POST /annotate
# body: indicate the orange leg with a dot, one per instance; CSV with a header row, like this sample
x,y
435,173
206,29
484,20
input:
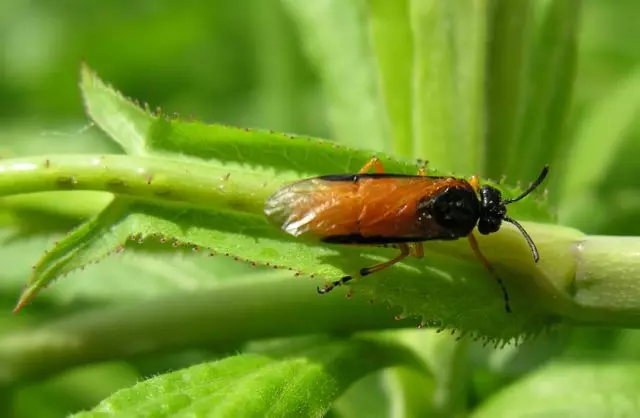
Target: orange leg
x,y
404,252
375,163
418,250
422,171
476,250
474,181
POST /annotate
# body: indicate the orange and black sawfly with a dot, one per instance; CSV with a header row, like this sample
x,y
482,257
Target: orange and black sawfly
x,y
394,209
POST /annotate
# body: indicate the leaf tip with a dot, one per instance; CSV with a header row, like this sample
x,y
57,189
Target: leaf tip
x,y
27,296
86,73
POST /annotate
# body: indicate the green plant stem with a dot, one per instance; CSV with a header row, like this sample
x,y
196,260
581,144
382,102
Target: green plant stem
x,y
607,281
148,178
222,318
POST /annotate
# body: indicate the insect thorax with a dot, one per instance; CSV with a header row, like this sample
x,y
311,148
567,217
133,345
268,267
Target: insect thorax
x,y
452,213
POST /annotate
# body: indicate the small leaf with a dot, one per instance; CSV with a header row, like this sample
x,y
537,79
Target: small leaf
x,y
251,385
194,141
127,125
66,254
593,389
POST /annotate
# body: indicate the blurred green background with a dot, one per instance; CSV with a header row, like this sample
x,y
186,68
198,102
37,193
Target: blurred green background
x,y
239,63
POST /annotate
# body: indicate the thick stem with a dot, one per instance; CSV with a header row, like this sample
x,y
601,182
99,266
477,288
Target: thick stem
x,y
607,281
148,177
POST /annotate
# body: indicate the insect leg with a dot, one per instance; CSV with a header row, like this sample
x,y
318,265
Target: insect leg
x,y
330,286
476,249
404,252
418,250
474,181
422,171
375,163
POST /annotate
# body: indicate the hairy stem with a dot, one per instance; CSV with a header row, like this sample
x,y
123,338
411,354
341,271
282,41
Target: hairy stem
x,y
148,177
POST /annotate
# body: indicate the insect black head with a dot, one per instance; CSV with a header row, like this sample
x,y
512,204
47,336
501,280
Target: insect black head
x,y
493,210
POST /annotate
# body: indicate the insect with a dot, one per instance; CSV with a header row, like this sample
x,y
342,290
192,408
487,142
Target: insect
x,y
394,210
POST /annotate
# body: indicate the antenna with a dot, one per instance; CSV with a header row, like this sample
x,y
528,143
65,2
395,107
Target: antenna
x,y
531,188
527,237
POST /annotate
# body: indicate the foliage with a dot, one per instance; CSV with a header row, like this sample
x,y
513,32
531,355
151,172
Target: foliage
x,y
152,224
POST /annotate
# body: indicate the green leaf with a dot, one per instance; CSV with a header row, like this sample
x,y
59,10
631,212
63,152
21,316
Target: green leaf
x,y
127,125
470,22
334,35
366,397
195,142
442,394
411,393
448,81
509,34
599,146
392,43
495,369
594,389
256,385
550,73
433,74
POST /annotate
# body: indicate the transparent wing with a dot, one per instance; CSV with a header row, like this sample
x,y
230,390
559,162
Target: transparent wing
x,y
294,207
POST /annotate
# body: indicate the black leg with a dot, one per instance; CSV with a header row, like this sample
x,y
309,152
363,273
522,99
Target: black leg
x,y
404,252
329,287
